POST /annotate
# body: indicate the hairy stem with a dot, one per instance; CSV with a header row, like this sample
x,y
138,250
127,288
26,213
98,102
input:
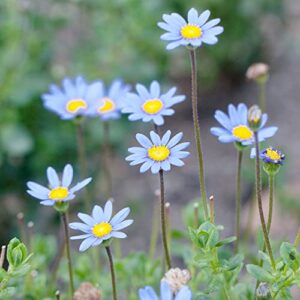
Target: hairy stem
x,y
112,272
238,199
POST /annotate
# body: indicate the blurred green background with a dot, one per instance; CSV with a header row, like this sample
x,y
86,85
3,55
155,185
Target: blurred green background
x,y
43,41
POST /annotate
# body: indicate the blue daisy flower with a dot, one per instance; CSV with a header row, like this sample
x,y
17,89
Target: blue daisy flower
x,y
193,32
100,226
236,128
151,105
73,99
269,155
109,103
59,189
158,153
148,293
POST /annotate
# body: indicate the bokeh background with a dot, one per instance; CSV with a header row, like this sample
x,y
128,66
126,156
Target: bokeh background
x,y
43,41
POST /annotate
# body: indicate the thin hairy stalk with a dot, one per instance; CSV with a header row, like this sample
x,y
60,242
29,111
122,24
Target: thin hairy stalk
x,y
2,255
68,251
197,130
163,220
271,198
112,272
81,148
262,95
259,202
154,229
238,199
107,159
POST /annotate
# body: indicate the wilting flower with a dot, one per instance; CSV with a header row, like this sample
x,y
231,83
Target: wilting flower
x,y
151,105
158,153
59,189
73,99
148,293
236,127
258,71
109,102
177,278
101,226
193,32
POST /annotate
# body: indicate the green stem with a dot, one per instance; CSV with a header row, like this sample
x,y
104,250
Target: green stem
x,y
154,229
197,130
163,219
107,159
112,272
67,242
238,198
262,95
259,202
271,196
82,158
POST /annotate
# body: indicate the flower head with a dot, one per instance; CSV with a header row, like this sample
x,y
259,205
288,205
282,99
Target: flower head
x,y
100,226
270,155
177,278
236,127
148,293
59,189
73,99
193,32
158,153
151,105
109,103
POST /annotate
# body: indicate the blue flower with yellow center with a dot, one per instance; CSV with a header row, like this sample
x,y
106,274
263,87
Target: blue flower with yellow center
x,y
269,155
193,32
236,128
59,190
73,99
151,105
100,226
110,101
148,293
158,153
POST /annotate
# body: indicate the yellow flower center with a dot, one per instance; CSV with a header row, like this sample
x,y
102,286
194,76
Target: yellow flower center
x,y
74,105
153,106
273,154
158,153
242,132
108,106
58,193
101,229
190,31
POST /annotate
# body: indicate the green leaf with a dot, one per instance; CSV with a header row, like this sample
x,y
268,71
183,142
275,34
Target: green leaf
x,y
226,241
290,255
259,273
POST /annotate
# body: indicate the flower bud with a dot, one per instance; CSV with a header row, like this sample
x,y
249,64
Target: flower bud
x,y
16,253
254,117
263,292
87,291
176,278
258,72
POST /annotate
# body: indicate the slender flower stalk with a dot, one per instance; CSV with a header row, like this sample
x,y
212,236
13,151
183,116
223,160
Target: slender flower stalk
x,y
112,272
271,198
155,228
262,94
212,208
107,159
81,148
57,295
196,214
259,202
197,129
21,225
67,242
163,220
2,255
238,198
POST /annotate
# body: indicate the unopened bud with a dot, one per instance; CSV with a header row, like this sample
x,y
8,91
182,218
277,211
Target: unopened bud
x,y
258,72
87,291
254,117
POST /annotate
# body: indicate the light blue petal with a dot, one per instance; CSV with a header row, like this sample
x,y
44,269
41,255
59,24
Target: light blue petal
x,y
193,16
80,226
243,112
107,211
38,195
136,150
146,166
266,133
52,178
176,161
233,114
264,119
155,167
184,294
86,219
165,291
118,234
173,45
67,176
143,92
210,24
38,188
80,237
209,39
174,140
217,131
47,202
227,138
158,120
155,138
203,17
180,147
253,153
120,216
122,225
80,185
168,112
87,243
166,137
138,161
178,19
147,293
165,165
181,154
155,89
97,213
143,140
223,119
215,30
